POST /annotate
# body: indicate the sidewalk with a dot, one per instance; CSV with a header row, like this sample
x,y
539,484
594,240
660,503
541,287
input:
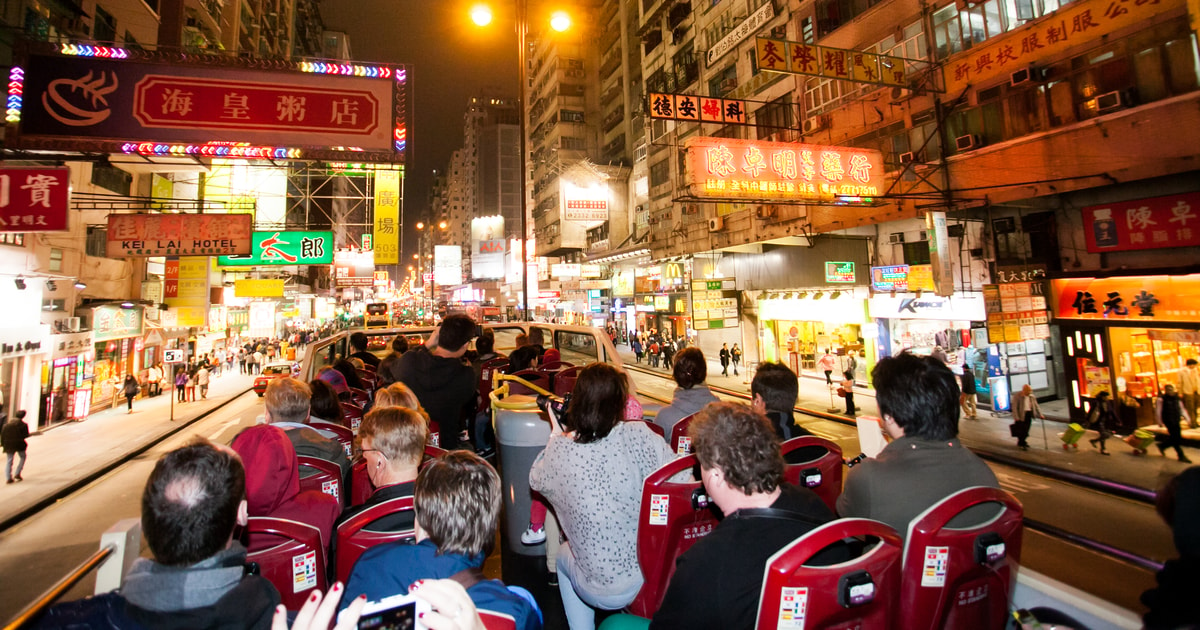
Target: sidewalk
x,y
70,454
988,435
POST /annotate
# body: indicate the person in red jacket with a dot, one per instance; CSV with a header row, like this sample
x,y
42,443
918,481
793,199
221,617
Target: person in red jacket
x,y
273,484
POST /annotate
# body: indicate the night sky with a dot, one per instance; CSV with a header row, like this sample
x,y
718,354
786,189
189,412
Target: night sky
x,y
450,60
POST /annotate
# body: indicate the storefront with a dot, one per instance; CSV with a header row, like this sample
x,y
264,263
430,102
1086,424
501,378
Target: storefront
x,y
1128,335
798,327
118,344
66,385
22,351
661,298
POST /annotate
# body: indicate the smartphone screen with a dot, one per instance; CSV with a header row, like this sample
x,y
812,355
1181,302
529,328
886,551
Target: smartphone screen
x,y
402,617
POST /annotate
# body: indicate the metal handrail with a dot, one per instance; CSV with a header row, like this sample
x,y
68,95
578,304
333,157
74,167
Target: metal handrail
x,y
62,586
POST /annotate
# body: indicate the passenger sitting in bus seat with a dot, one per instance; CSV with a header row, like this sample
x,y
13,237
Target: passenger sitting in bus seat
x,y
691,394
529,355
457,505
925,462
287,404
358,341
197,578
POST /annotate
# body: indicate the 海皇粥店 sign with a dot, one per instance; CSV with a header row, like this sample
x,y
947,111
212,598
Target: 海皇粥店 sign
x,y
135,235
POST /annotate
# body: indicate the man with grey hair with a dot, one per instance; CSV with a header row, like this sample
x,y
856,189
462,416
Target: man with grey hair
x,y
198,578
287,406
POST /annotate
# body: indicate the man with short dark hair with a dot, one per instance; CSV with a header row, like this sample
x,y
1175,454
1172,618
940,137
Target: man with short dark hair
x,y
358,341
198,578
435,372
925,462
717,582
774,391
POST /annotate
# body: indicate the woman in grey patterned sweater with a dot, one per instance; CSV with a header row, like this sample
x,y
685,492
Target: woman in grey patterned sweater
x,y
592,472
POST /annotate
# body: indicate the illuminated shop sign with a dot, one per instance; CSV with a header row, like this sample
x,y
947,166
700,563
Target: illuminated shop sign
x,y
293,247
1138,298
752,170
689,107
902,278
779,55
34,199
1172,221
141,235
839,272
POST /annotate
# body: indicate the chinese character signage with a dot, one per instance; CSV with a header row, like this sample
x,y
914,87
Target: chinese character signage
x,y
160,99
778,55
285,248
715,304
34,199
697,108
185,290
909,278
258,287
585,209
940,258
387,217
753,170
487,247
1075,24
1016,311
141,235
842,272
114,322
748,26
1172,221
1137,298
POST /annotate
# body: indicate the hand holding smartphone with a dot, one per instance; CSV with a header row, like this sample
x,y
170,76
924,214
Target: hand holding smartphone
x,y
399,612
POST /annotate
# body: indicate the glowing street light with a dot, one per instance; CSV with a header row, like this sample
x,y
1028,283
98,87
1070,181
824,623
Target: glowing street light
x,y
481,15
560,21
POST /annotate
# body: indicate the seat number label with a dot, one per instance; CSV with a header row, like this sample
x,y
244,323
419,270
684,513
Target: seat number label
x,y
936,561
793,606
304,572
658,508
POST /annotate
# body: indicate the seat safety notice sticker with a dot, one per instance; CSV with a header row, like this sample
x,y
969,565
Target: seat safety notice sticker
x,y
936,561
793,606
658,508
304,571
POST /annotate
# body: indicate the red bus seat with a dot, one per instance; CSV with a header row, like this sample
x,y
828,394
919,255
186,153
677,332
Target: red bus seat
x,y
668,525
822,475
653,427
296,565
564,380
353,540
961,577
344,435
859,593
361,487
367,377
497,621
327,477
681,443
360,397
486,371
555,366
352,415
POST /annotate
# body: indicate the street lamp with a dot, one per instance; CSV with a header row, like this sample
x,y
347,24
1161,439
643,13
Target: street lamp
x,y
560,21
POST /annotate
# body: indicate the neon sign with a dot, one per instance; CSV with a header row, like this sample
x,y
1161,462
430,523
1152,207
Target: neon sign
x,y
754,171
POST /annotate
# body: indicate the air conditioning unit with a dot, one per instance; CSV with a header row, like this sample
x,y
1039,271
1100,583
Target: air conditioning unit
x,y
967,142
1109,101
72,324
765,212
716,224
908,157
1020,76
728,85
956,230
896,238
814,124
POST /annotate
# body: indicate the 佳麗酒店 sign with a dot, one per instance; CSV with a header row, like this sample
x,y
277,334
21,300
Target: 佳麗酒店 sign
x,y
135,235
1171,221
34,199
752,170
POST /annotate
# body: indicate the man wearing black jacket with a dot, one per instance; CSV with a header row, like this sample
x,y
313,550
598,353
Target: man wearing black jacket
x,y
444,384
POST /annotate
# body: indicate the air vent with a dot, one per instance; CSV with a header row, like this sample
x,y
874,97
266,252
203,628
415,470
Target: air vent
x,y
896,238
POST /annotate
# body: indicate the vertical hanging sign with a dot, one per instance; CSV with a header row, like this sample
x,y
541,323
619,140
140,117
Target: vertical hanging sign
x,y
387,218
186,290
939,253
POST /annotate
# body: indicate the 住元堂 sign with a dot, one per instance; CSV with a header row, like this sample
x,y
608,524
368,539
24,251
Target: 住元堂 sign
x,y
292,247
753,170
1171,221
134,235
34,199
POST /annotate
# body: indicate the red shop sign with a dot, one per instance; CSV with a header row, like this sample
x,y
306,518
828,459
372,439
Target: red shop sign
x,y
1171,221
34,199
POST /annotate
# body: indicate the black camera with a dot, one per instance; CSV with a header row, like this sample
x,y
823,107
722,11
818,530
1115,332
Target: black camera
x,y
559,407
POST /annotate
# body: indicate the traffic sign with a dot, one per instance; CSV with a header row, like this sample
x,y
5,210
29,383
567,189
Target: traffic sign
x,y
172,356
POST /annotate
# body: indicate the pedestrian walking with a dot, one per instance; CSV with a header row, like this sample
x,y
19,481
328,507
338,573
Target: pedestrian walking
x,y
202,376
153,380
735,356
636,344
191,384
851,362
827,363
848,392
13,438
724,354
1169,411
1024,409
241,357
1189,390
130,389
181,379
966,399
653,358
1103,418
668,352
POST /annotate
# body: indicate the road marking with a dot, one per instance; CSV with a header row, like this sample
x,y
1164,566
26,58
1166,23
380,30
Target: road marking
x,y
1015,483
224,426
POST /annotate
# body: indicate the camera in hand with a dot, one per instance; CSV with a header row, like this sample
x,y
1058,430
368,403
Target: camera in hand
x,y
559,406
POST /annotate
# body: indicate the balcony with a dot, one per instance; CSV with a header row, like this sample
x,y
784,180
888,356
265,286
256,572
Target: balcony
x,y
611,120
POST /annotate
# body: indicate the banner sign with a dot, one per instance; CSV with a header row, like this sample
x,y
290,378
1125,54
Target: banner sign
x,y
447,265
114,322
146,97
1172,221
839,272
185,289
487,247
902,278
939,253
142,235
1135,298
285,248
353,269
265,287
754,171
24,341
387,218
752,23
697,108
962,307
34,199
585,210
778,55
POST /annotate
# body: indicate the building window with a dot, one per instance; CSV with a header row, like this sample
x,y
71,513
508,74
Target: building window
x,y
105,27
723,82
97,241
56,260
777,119
12,238
916,253
955,30
687,66
660,173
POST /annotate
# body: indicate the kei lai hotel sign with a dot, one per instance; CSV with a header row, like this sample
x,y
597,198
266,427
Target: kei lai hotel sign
x,y
753,170
134,235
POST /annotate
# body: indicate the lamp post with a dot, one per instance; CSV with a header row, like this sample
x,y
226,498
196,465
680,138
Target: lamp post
x,y
559,21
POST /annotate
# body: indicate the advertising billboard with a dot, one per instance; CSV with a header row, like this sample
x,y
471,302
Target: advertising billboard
x,y
387,218
185,290
291,247
34,199
353,269
447,265
258,287
143,235
126,98
757,171
487,247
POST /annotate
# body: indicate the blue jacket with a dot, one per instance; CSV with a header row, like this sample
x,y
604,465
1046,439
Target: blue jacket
x,y
389,569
